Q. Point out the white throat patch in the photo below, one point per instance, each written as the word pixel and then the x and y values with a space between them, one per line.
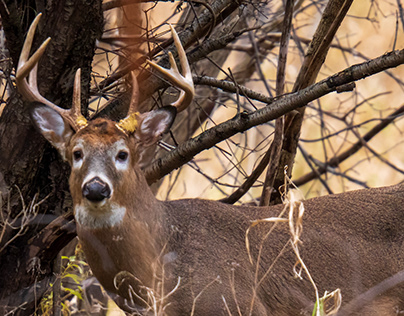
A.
pixel 102 216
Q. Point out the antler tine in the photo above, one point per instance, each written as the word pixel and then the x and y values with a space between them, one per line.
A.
pixel 129 123
pixel 133 106
pixel 75 117
pixel 27 66
pixel 184 80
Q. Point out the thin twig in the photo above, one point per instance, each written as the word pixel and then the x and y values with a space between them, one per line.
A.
pixel 336 160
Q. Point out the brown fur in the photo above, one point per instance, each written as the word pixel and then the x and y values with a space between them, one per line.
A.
pixel 189 256
pixel 344 238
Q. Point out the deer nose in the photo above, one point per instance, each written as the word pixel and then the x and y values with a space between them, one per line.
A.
pixel 96 190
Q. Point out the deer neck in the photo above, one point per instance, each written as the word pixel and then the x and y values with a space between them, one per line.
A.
pixel 139 232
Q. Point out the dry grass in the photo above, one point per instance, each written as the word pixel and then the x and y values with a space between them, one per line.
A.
pixel 18 224
pixel 292 213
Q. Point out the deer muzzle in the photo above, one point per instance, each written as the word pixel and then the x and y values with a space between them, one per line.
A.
pixel 96 190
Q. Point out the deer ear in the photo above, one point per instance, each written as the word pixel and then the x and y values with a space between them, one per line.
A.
pixel 154 124
pixel 53 127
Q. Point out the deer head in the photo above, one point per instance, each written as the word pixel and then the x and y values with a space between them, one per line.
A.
pixel 103 154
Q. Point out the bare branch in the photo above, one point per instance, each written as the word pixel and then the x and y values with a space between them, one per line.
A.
pixel 277 108
pixel 335 161
pixel 331 19
pixel 276 146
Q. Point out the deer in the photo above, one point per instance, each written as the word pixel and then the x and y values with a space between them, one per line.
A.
pixel 189 256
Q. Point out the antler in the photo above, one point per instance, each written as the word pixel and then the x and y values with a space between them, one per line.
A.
pixel 182 81
pixel 28 67
pixel 129 123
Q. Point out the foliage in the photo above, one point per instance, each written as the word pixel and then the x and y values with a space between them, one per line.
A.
pixel 72 270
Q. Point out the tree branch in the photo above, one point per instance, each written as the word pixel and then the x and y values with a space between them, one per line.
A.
pixel 188 37
pixel 229 86
pixel 280 106
pixel 336 160
pixel 277 144
pixel 331 19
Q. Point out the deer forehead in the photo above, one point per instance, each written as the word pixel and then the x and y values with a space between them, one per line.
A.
pixel 101 135
pixel 100 132
pixel 100 144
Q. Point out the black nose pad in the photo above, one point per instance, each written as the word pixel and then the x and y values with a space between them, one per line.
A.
pixel 96 190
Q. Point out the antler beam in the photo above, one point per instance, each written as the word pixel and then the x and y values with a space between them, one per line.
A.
pixel 27 66
pixel 174 76
pixel 181 80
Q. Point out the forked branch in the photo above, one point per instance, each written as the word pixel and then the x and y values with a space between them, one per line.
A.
pixel 289 102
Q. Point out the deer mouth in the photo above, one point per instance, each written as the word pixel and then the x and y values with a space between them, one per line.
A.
pixel 96 190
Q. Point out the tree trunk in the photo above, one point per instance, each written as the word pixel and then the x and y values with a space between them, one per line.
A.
pixel 28 166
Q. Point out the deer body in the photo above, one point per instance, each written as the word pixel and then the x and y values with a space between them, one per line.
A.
pixel 203 243
pixel 189 257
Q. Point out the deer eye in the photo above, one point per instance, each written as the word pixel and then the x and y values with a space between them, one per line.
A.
pixel 122 156
pixel 77 155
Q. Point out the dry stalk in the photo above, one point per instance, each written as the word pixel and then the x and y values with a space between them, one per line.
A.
pixel 293 204
pixel 155 294
pixel 296 211
pixel 20 222
pixel 333 299
pixel 227 306
pixel 217 279
pixel 233 292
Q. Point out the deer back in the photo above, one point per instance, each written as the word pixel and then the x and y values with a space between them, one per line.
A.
pixel 350 241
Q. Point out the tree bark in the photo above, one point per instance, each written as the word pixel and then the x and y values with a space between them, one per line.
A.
pixel 28 166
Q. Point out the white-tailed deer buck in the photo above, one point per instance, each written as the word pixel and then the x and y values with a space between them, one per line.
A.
pixel 189 257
